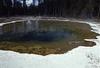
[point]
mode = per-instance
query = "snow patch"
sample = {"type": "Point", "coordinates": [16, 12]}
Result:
{"type": "Point", "coordinates": [81, 57]}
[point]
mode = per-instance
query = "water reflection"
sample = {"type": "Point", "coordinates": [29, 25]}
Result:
{"type": "Point", "coordinates": [31, 30]}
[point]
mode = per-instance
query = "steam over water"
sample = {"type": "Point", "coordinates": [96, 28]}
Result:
{"type": "Point", "coordinates": [30, 30]}
{"type": "Point", "coordinates": [77, 58]}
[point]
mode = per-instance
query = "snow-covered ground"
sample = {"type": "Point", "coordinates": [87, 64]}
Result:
{"type": "Point", "coordinates": [81, 57]}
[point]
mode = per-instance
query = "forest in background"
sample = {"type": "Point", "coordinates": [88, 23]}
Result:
{"type": "Point", "coordinates": [64, 8]}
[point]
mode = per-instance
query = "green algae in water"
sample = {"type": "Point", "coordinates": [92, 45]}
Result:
{"type": "Point", "coordinates": [51, 37]}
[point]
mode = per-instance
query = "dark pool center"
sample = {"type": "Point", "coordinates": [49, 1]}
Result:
{"type": "Point", "coordinates": [31, 31]}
